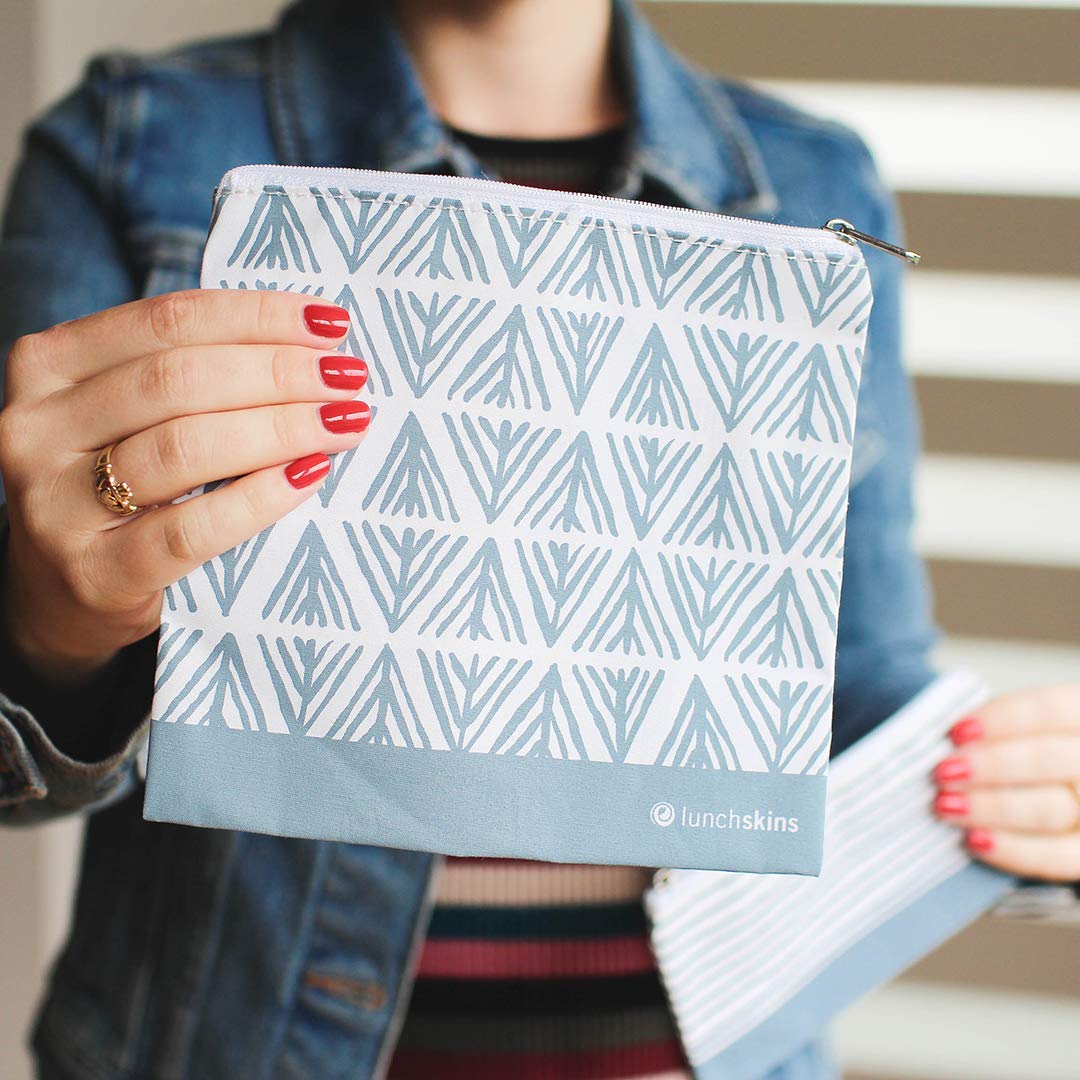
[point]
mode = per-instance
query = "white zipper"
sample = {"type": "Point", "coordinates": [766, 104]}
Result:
{"type": "Point", "coordinates": [834, 237]}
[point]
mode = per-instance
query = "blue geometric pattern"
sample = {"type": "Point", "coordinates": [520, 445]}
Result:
{"type": "Point", "coordinates": [571, 496]}
{"type": "Point", "coordinates": [737, 373]}
{"type": "Point", "coordinates": [479, 604]}
{"type": "Point", "coordinates": [720, 512]}
{"type": "Point", "coordinates": [789, 721]}
{"type": "Point", "coordinates": [619, 700]}
{"type": "Point", "coordinates": [381, 711]}
{"type": "Point", "coordinates": [598, 516]}
{"type": "Point", "coordinates": [400, 567]}
{"type": "Point", "coordinates": [592, 266]}
{"type": "Point", "coordinates": [707, 594]}
{"type": "Point", "coordinates": [521, 237]}
{"type": "Point", "coordinates": [359, 221]}
{"type": "Point", "coordinates": [580, 342]}
{"type": "Point", "coordinates": [653, 392]}
{"type": "Point", "coordinates": [504, 371]}
{"type": "Point", "coordinates": [217, 691]}
{"type": "Point", "coordinates": [411, 480]}
{"type": "Point", "coordinates": [629, 620]}
{"type": "Point", "coordinates": [468, 696]}
{"type": "Point", "coordinates": [544, 725]}
{"type": "Point", "coordinates": [498, 457]}
{"type": "Point", "coordinates": [426, 334]}
{"type": "Point", "coordinates": [311, 590]}
{"type": "Point", "coordinates": [307, 675]}
{"type": "Point", "coordinates": [437, 242]}
{"type": "Point", "coordinates": [274, 238]}
{"type": "Point", "coordinates": [359, 342]}
{"type": "Point", "coordinates": [559, 579]}
{"type": "Point", "coordinates": [228, 573]}
{"type": "Point", "coordinates": [650, 472]}
{"type": "Point", "coordinates": [669, 260]}
{"type": "Point", "coordinates": [699, 739]}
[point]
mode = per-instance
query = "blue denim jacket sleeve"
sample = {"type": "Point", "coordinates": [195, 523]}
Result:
{"type": "Point", "coordinates": [885, 629]}
{"type": "Point", "coordinates": [60, 258]}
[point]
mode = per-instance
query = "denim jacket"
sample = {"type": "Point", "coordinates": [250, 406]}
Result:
{"type": "Point", "coordinates": [200, 953]}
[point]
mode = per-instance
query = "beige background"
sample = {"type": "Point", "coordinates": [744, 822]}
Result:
{"type": "Point", "coordinates": [967, 108]}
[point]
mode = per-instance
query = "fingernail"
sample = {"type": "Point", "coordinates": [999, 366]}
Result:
{"type": "Point", "coordinates": [327, 320]}
{"type": "Point", "coordinates": [967, 730]}
{"type": "Point", "coordinates": [343, 372]}
{"type": "Point", "coordinates": [952, 804]}
{"type": "Point", "coordinates": [305, 471]}
{"type": "Point", "coordinates": [953, 768]}
{"type": "Point", "coordinates": [345, 417]}
{"type": "Point", "coordinates": [980, 840]}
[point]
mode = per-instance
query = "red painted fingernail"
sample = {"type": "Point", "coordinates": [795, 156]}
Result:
{"type": "Point", "coordinates": [343, 372]}
{"type": "Point", "coordinates": [980, 840]}
{"type": "Point", "coordinates": [345, 417]}
{"type": "Point", "coordinates": [953, 768]}
{"type": "Point", "coordinates": [305, 471]}
{"type": "Point", "coordinates": [967, 730]}
{"type": "Point", "coordinates": [326, 320]}
{"type": "Point", "coordinates": [952, 804]}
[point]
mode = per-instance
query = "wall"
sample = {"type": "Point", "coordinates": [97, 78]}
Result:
{"type": "Point", "coordinates": [966, 107]}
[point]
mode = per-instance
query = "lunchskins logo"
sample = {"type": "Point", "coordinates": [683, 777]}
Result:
{"type": "Point", "coordinates": [665, 814]}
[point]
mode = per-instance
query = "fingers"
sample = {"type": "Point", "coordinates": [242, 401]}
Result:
{"type": "Point", "coordinates": [1046, 808]}
{"type": "Point", "coordinates": [1048, 708]}
{"type": "Point", "coordinates": [171, 459]}
{"type": "Point", "coordinates": [1014, 783]}
{"type": "Point", "coordinates": [150, 390]}
{"type": "Point", "coordinates": [1028, 759]}
{"type": "Point", "coordinates": [159, 548]}
{"type": "Point", "coordinates": [1049, 857]}
{"type": "Point", "coordinates": [77, 350]}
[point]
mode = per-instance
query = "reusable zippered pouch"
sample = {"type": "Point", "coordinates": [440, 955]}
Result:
{"type": "Point", "coordinates": [575, 595]}
{"type": "Point", "coordinates": [754, 969]}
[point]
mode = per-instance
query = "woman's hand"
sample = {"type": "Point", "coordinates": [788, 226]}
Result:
{"type": "Point", "coordinates": [1014, 783]}
{"type": "Point", "coordinates": [192, 387]}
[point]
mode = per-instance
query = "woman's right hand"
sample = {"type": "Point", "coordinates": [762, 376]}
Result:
{"type": "Point", "coordinates": [192, 387]}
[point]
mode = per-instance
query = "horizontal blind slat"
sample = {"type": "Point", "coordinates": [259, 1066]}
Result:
{"type": "Point", "coordinates": [954, 325]}
{"type": "Point", "coordinates": [982, 46]}
{"type": "Point", "coordinates": [1030, 420]}
{"type": "Point", "coordinates": [998, 600]}
{"type": "Point", "coordinates": [1000, 141]}
{"type": "Point", "coordinates": [1002, 234]}
{"type": "Point", "coordinates": [999, 509]}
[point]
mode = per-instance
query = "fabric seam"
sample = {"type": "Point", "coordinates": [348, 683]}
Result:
{"type": "Point", "coordinates": [598, 223]}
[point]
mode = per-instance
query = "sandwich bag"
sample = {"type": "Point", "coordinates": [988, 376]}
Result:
{"type": "Point", "coordinates": [574, 597]}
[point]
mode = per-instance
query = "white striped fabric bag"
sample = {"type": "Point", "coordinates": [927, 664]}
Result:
{"type": "Point", "coordinates": [756, 967]}
{"type": "Point", "coordinates": [575, 596]}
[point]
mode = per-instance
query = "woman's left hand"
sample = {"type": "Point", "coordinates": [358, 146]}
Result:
{"type": "Point", "coordinates": [1013, 783]}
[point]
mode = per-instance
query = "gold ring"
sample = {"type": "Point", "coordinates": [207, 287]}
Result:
{"type": "Point", "coordinates": [1074, 787]}
{"type": "Point", "coordinates": [111, 492]}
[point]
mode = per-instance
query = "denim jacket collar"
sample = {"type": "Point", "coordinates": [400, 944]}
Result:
{"type": "Point", "coordinates": [343, 91]}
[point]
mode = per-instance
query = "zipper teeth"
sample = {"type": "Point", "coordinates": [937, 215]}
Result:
{"type": "Point", "coordinates": [820, 238]}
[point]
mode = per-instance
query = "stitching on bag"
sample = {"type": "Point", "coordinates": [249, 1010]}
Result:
{"type": "Point", "coordinates": [396, 200]}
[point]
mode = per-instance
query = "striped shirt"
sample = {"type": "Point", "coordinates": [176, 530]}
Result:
{"type": "Point", "coordinates": [537, 971]}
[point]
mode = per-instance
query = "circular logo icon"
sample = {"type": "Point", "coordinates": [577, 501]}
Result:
{"type": "Point", "coordinates": [662, 814]}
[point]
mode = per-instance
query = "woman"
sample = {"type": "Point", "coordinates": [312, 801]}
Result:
{"type": "Point", "coordinates": [201, 953]}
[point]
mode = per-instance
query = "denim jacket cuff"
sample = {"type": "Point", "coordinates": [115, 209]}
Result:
{"type": "Point", "coordinates": [37, 780]}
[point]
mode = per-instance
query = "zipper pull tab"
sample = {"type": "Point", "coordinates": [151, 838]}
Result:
{"type": "Point", "coordinates": [661, 877]}
{"type": "Point", "coordinates": [849, 234]}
